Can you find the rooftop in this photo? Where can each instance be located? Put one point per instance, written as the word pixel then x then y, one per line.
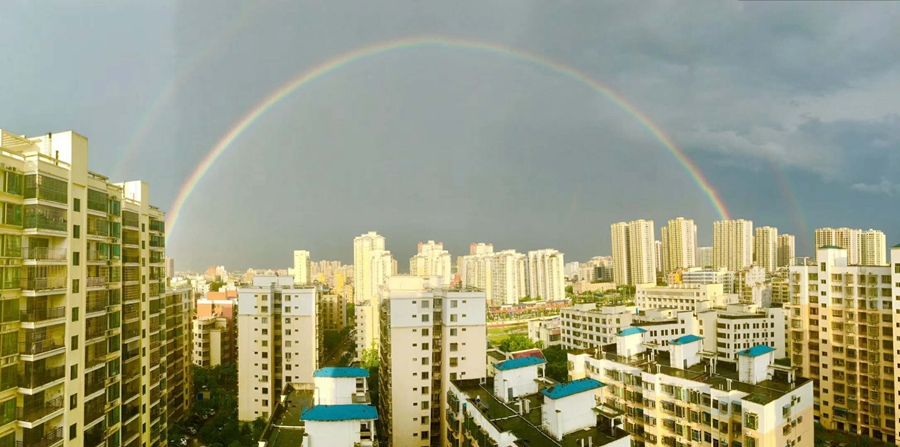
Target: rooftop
pixel 632 330
pixel 568 389
pixel 285 428
pixel 519 363
pixel 756 351
pixel 528 353
pixel 341 372
pixel 685 339
pixel 526 427
pixel 332 413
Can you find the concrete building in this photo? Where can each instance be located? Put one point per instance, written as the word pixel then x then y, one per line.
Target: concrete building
pixel 705 257
pixel 765 248
pixel 679 244
pixel 508 278
pixel 430 336
pixel 545 330
pixel 519 406
pixel 332 310
pixel 477 269
pixel 170 267
pixel 545 275
pixel 222 339
pixel 674 394
pixel 588 326
pixel 178 354
pixel 872 248
pixel 847 238
pixel 432 260
pixel 365 287
pixel 379 264
pixel 278 343
pixel 83 302
pixel 751 286
pixel 212 339
pixel 690 297
pixel 660 254
pixel 732 244
pixel 634 255
pixel 572 269
pixel 697 276
pixel 843 321
pixel 786 250
pixel 302 267
pixel 728 330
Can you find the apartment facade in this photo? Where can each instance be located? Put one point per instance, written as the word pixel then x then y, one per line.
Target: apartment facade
pixel 847 238
pixel 872 248
pixel 705 257
pixel 765 248
pixel 476 270
pixel 587 325
pixel 634 252
pixel 430 335
pixel 211 340
pixel 83 296
pixel 365 287
pixel 431 260
pixel 732 244
pixel 508 278
pixel 786 250
pixel 843 322
pixel 679 244
pixel 546 277
pixel 332 310
pixel 691 297
pixel 278 344
pixel 302 267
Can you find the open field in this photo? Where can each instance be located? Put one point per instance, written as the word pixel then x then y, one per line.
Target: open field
pixel 498 333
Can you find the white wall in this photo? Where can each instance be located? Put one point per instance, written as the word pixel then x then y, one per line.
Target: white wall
pixel 521 380
pixel 332 434
pixel 576 412
pixel 335 390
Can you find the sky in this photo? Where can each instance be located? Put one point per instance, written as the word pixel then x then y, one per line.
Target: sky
pixel 789 109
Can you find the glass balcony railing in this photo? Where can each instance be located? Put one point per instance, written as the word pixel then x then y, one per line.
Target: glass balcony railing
pixel 34 412
pixel 39 315
pixel 37 379
pixel 53 436
pixel 44 254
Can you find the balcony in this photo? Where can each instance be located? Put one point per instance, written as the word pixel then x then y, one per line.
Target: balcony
pixel 40 347
pixel 42 284
pixel 40 315
pixel 35 412
pixel 37 379
pixel 44 254
pixel 97 256
pixel 93 332
pixel 94 410
pixel 54 437
pixel 96 281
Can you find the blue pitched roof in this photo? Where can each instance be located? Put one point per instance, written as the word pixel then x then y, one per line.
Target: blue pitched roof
pixel 632 330
pixel 333 413
pixel 341 372
pixel 567 389
pixel 756 351
pixel 522 362
pixel 685 339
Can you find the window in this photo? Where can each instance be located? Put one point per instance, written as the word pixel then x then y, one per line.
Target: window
pixel 453 318
pixel 73 429
pixel 74 342
pixel 424 435
pixel 454 347
pixel 76 258
pixel 73 401
pixel 425 318
pixel 425 332
pixel 73 372
pixel 454 304
pixel 75 286
pixel 76 231
pixel 453 332
pixel 424 346
pixel 76 205
pixel 74 314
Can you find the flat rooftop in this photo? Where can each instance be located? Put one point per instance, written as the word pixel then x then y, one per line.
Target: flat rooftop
pixel 525 427
pixel 285 428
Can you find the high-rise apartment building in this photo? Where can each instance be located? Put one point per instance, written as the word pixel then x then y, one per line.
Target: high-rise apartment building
pixel 843 331
pixel 170 267
pixel 679 244
pixel 508 278
pixel 705 257
pixel 364 287
pixel 430 335
pixel 847 238
pixel 732 244
pixel 765 249
pixel 278 344
pixel 872 248
pixel 83 304
pixel 302 267
pixel 660 253
pixel 211 341
pixel 545 275
pixel 786 250
pixel 372 265
pixel 332 312
pixel 477 269
pixel 178 353
pixel 431 260
pixel 634 254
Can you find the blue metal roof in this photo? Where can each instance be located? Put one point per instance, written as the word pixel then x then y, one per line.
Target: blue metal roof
pixel 685 339
pixel 632 330
pixel 567 389
pixel 522 362
pixel 341 372
pixel 333 413
pixel 756 351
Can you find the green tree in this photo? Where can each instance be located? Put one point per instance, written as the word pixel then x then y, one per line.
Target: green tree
pixel 516 342
pixel 570 289
pixel 370 358
pixel 557 363
pixel 216 285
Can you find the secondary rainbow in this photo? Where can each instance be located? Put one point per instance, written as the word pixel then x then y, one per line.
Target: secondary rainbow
pixel 438 42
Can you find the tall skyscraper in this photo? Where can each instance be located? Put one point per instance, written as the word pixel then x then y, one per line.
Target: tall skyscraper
pixel 364 287
pixel 766 248
pixel 88 326
pixel 841 237
pixel 679 244
pixel 872 248
pixel 302 267
pixel 786 250
pixel 660 253
pixel 705 257
pixel 476 269
pixel 621 269
pixel 634 253
pixel 732 244
pixel 278 343
pixel 431 260
pixel 431 335
pixel 546 278
pixel 170 267
pixel 508 278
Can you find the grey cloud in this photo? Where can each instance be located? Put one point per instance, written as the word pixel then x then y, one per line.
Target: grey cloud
pixel 885 187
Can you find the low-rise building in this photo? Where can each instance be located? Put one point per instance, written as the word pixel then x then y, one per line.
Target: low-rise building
pixel 586 325
pixel 332 312
pixel 691 297
pixel 727 331
pixel 546 331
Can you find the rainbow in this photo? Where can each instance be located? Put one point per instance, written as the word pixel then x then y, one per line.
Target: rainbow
pixel 437 42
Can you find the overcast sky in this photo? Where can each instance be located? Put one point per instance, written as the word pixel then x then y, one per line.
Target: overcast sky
pixel 789 108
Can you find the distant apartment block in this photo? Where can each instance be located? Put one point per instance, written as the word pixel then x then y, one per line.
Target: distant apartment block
pixel 302 267
pixel 545 330
pixel 332 311
pixel 786 250
pixel 679 244
pixel 705 257
pixel 545 275
pixel 586 325
pixel 508 278
pixel 765 248
pixel 634 252
pixel 732 244
pixel 431 260
pixel 689 297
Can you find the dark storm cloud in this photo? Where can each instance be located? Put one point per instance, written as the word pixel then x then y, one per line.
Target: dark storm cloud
pixel 463 146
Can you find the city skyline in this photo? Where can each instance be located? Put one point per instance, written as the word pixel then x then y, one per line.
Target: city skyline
pixel 515 125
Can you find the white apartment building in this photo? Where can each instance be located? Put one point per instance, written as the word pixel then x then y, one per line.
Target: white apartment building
pixel 679 244
pixel 302 267
pixel 847 238
pixel 697 276
pixel 726 331
pixel 211 340
pixel 872 248
pixel 765 250
pixel 430 335
pixel 431 260
pixel 705 257
pixel 508 278
pixel 476 269
pixel 691 297
pixel 634 254
pixel 586 325
pixel 843 325
pixel 662 264
pixel 545 275
pixel 572 270
pixel 619 238
pixel 365 288
pixel 379 264
pixel 546 330
pixel 673 394
pixel 278 343
pixel 786 250
pixel 732 244
pixel 751 286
